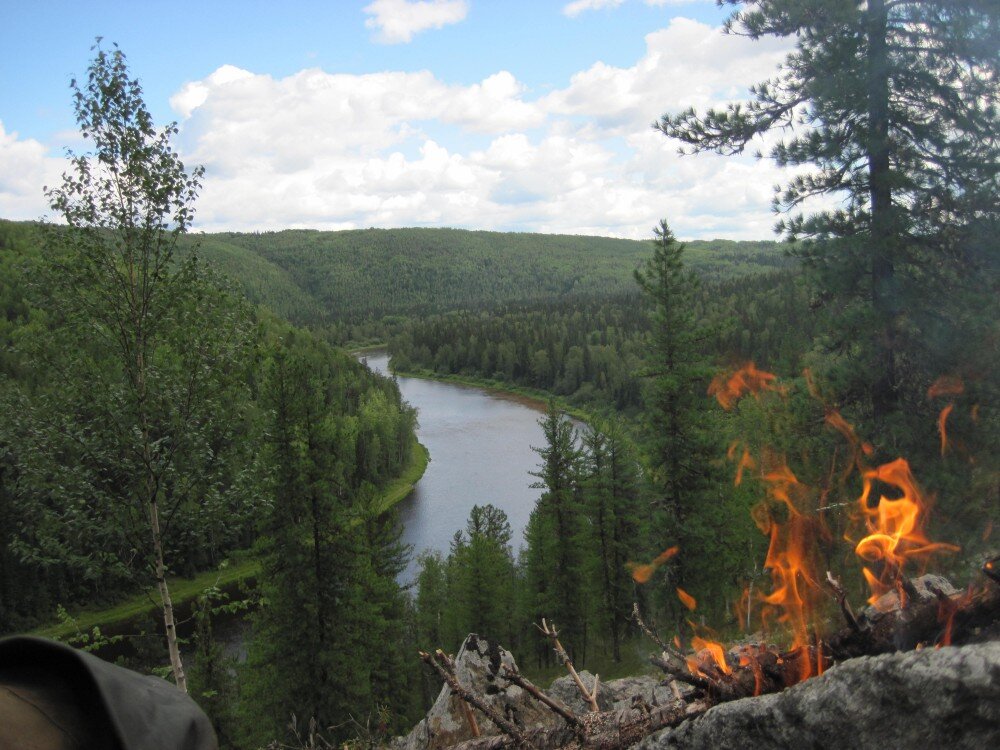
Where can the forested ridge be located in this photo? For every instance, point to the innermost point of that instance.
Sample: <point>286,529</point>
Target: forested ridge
<point>355,285</point>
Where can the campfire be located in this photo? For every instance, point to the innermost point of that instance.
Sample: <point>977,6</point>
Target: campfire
<point>889,539</point>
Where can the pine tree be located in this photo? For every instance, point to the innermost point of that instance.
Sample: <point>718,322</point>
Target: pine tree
<point>612,502</point>
<point>893,104</point>
<point>326,645</point>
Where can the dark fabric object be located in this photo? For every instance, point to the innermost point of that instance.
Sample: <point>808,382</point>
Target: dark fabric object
<point>93,704</point>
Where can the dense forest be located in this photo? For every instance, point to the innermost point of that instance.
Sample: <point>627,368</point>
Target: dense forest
<point>359,286</point>
<point>173,402</point>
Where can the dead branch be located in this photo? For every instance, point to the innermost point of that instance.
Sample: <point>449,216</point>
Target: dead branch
<point>471,698</point>
<point>512,675</point>
<point>550,632</point>
<point>845,606</point>
<point>606,730</point>
<point>680,674</point>
<point>666,648</point>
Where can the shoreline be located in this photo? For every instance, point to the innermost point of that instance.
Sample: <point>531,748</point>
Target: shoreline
<point>231,571</point>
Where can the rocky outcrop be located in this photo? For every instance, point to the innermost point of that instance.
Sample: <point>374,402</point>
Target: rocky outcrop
<point>948,697</point>
<point>477,666</point>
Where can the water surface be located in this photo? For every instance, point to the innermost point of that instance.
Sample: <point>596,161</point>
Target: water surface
<point>481,452</point>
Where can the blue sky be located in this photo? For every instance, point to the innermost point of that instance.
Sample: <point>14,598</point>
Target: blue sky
<point>528,116</point>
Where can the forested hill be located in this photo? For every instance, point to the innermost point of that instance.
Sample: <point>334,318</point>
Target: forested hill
<point>314,277</point>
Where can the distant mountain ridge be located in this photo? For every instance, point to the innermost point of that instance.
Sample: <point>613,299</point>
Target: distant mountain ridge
<point>311,276</point>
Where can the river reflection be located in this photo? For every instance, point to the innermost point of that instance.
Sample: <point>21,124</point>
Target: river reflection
<point>480,445</point>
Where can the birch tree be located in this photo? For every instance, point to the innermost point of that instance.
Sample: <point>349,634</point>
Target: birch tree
<point>157,341</point>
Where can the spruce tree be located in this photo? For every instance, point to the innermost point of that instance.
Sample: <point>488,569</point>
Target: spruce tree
<point>681,450</point>
<point>553,558</point>
<point>612,504</point>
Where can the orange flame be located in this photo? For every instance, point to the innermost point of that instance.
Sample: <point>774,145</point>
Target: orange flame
<point>845,428</point>
<point>895,528</point>
<point>946,385</point>
<point>728,388</point>
<point>796,591</point>
<point>948,607</point>
<point>641,573</point>
<point>713,650</point>
<point>686,599</point>
<point>942,426</point>
<point>745,462</point>
<point>742,608</point>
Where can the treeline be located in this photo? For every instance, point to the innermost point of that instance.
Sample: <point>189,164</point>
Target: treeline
<point>356,286</point>
<point>591,348</point>
<point>571,567</point>
<point>261,435</point>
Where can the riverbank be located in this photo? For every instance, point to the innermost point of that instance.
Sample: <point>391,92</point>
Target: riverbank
<point>239,567</point>
<point>532,397</point>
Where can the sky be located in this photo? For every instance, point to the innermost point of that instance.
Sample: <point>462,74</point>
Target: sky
<point>504,115</point>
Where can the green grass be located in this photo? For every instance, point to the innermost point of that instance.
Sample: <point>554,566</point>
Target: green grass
<point>240,568</point>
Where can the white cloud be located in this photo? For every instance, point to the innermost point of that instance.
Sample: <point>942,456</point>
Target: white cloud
<point>686,64</point>
<point>398,20</point>
<point>25,169</point>
<point>577,7</point>
<point>334,151</point>
<point>330,150</point>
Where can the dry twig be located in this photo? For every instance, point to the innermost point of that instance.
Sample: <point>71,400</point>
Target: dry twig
<point>512,675</point>
<point>550,632</point>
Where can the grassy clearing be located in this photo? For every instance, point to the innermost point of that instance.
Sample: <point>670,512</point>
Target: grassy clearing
<point>241,567</point>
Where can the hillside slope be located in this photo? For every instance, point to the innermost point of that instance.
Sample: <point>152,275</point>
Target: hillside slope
<point>373,273</point>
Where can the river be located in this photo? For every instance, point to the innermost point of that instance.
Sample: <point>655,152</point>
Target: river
<point>480,444</point>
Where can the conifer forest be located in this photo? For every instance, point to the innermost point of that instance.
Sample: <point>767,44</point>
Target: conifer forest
<point>192,446</point>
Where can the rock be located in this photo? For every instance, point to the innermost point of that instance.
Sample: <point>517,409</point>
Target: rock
<point>565,690</point>
<point>646,687</point>
<point>477,667</point>
<point>948,697</point>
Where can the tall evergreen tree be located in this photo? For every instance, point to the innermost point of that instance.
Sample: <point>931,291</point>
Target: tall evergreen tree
<point>612,504</point>
<point>681,449</point>
<point>483,575</point>
<point>893,104</point>
<point>553,558</point>
<point>327,642</point>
